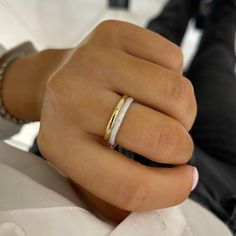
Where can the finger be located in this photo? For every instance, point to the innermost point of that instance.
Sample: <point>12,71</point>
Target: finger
<point>153,86</point>
<point>144,131</point>
<point>118,180</point>
<point>141,43</point>
<point>155,136</point>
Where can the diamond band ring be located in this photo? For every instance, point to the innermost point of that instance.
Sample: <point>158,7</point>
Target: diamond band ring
<point>116,119</point>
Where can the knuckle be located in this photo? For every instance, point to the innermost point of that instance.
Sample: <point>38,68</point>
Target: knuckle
<point>180,90</point>
<point>189,91</point>
<point>174,145</point>
<point>112,29</point>
<point>178,58</point>
<point>185,147</point>
<point>133,195</point>
<point>107,24</point>
<point>191,107</point>
<point>54,87</point>
<point>82,54</point>
<point>165,145</point>
<point>174,90</point>
<point>190,147</point>
<point>88,56</point>
<point>180,95</point>
<point>106,28</point>
<point>51,85</point>
<point>58,93</point>
<point>63,81</point>
<point>189,104</point>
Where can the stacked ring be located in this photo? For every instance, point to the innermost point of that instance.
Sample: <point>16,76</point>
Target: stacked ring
<point>113,116</point>
<point>116,119</point>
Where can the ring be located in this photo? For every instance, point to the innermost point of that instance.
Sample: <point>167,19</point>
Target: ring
<point>113,116</point>
<point>116,119</point>
<point>119,119</point>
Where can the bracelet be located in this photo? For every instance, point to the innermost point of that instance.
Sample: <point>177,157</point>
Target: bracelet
<point>3,111</point>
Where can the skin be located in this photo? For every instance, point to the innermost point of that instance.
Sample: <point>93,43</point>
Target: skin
<point>73,93</point>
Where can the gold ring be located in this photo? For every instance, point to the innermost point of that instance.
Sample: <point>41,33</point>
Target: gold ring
<point>113,117</point>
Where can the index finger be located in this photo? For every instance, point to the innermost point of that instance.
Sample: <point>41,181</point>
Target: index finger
<point>142,43</point>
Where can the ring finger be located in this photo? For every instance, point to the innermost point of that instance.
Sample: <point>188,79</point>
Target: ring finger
<point>145,131</point>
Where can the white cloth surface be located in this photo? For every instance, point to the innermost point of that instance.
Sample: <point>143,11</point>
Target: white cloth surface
<point>36,200</point>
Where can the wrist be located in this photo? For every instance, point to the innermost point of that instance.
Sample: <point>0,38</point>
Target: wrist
<point>25,80</point>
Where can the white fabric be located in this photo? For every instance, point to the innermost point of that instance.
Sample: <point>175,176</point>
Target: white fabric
<point>36,200</point>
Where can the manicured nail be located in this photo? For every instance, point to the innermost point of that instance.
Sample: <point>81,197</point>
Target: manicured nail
<point>195,178</point>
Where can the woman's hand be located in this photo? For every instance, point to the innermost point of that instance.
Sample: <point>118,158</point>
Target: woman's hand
<point>119,58</point>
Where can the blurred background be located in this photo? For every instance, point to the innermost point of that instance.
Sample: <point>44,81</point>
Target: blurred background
<point>64,23</point>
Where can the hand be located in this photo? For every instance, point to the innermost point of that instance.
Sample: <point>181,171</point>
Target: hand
<point>119,58</point>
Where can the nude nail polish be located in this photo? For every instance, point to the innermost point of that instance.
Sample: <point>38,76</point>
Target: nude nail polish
<point>195,178</point>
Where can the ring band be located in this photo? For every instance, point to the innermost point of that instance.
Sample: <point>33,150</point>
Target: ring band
<point>118,120</point>
<point>113,117</point>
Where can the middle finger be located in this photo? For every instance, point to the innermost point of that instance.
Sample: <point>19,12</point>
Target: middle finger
<point>153,85</point>
<point>144,131</point>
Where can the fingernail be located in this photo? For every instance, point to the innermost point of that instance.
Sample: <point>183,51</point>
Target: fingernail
<point>195,178</point>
